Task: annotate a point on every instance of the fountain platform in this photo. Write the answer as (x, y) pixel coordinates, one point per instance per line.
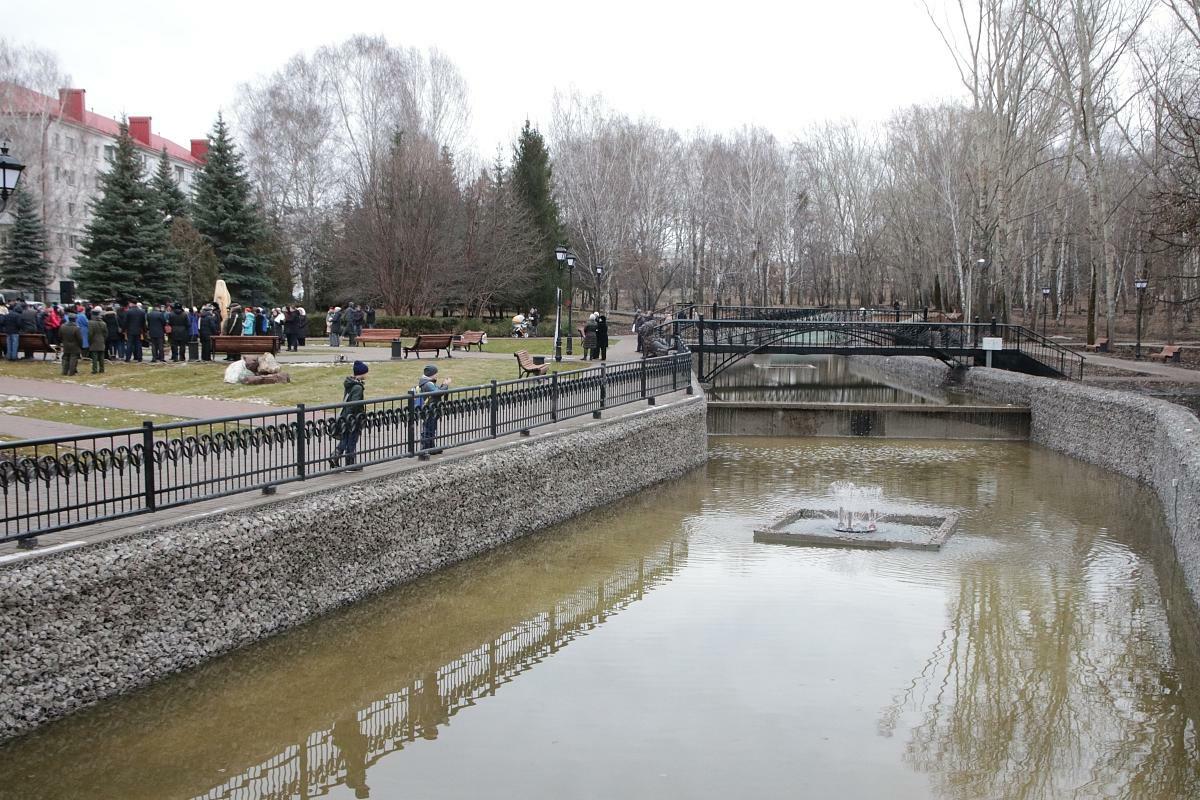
(815, 527)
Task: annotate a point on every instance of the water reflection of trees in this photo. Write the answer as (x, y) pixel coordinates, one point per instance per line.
(1059, 685)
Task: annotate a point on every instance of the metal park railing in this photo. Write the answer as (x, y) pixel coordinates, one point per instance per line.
(49, 485)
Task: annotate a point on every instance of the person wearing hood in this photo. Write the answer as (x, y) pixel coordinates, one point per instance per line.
(352, 417)
(210, 326)
(248, 322)
(429, 393)
(70, 338)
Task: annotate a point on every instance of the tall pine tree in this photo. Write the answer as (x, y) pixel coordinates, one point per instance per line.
(170, 200)
(531, 182)
(125, 249)
(227, 218)
(23, 262)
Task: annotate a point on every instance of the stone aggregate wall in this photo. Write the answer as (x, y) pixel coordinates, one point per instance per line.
(90, 623)
(1150, 440)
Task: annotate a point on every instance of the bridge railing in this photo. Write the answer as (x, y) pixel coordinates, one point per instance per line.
(864, 314)
(54, 484)
(829, 332)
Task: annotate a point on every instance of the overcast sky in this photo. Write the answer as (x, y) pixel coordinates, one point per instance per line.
(783, 65)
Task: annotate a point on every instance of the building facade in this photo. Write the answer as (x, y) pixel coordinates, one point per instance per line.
(66, 150)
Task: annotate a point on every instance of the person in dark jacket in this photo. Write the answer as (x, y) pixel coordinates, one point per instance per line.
(602, 336)
(233, 327)
(156, 330)
(590, 350)
(135, 326)
(351, 419)
(210, 326)
(71, 340)
(291, 327)
(10, 326)
(112, 340)
(29, 319)
(181, 331)
(97, 340)
(429, 393)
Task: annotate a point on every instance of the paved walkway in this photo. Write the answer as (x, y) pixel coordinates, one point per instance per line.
(143, 402)
(1177, 374)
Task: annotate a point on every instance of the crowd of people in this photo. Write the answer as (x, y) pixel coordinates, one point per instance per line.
(348, 322)
(130, 328)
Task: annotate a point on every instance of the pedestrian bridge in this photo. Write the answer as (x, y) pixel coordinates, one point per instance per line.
(741, 332)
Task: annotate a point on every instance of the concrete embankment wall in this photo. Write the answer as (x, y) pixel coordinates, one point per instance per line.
(894, 421)
(1153, 441)
(86, 624)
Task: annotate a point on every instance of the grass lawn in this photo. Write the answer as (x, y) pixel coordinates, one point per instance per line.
(78, 414)
(312, 385)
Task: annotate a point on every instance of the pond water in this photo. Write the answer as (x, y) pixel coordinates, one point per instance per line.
(816, 379)
(652, 649)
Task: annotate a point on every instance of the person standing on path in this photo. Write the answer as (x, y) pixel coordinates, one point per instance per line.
(352, 417)
(71, 341)
(111, 342)
(429, 393)
(181, 331)
(210, 326)
(97, 340)
(248, 322)
(156, 329)
(591, 350)
(135, 325)
(233, 327)
(602, 336)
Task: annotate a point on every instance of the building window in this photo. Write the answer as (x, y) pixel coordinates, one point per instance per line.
(72, 144)
(179, 175)
(71, 209)
(110, 152)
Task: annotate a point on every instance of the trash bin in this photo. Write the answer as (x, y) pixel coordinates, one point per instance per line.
(193, 350)
(539, 360)
(397, 348)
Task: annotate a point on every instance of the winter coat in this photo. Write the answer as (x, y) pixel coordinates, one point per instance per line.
(135, 321)
(335, 322)
(193, 324)
(112, 326)
(181, 329)
(233, 325)
(292, 322)
(10, 322)
(602, 332)
(428, 392)
(81, 321)
(209, 325)
(248, 322)
(353, 391)
(29, 320)
(589, 335)
(71, 338)
(156, 324)
(97, 335)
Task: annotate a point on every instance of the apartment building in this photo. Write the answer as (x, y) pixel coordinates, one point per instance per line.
(66, 149)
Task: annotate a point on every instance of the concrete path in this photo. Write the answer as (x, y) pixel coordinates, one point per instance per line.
(1177, 374)
(145, 402)
(29, 428)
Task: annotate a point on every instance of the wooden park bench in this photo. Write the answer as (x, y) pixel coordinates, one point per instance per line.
(245, 344)
(953, 316)
(467, 339)
(436, 342)
(35, 343)
(384, 335)
(1101, 346)
(1169, 353)
(525, 365)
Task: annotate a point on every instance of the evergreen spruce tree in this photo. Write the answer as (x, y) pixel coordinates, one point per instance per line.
(227, 218)
(170, 200)
(125, 249)
(23, 262)
(531, 182)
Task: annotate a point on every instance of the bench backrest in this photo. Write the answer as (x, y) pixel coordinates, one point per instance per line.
(434, 340)
(471, 337)
(1170, 350)
(525, 360)
(393, 333)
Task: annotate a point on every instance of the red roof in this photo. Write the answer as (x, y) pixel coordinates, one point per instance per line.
(16, 99)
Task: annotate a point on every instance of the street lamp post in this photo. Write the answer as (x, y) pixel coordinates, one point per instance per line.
(1045, 307)
(1139, 284)
(10, 174)
(570, 301)
(560, 258)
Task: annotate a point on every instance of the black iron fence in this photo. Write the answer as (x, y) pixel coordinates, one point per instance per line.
(54, 484)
